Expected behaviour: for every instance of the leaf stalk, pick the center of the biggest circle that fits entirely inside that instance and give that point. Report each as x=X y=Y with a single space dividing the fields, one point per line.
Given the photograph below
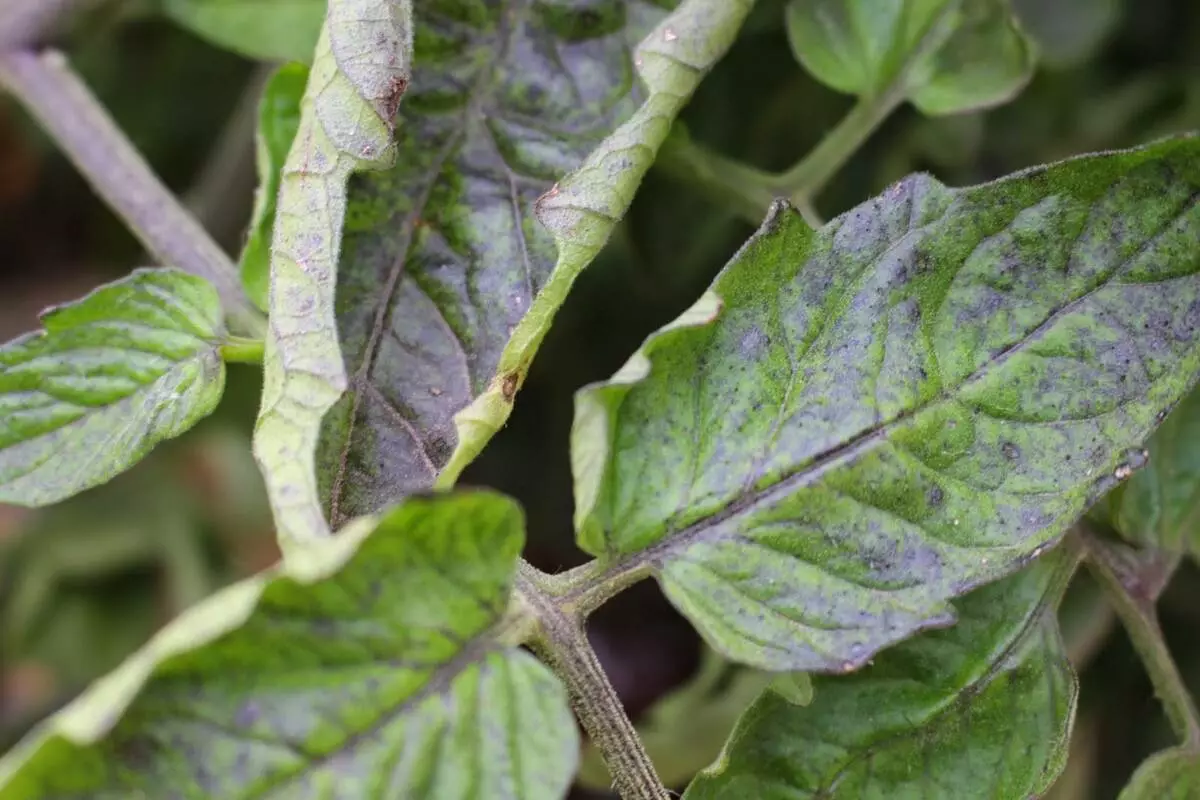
x=563 y=644
x=56 y=96
x=1132 y=582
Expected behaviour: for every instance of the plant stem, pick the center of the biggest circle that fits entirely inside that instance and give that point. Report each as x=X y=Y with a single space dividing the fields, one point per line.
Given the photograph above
x=802 y=182
x=1132 y=583
x=237 y=350
x=562 y=642
x=25 y=23
x=55 y=95
x=582 y=590
x=746 y=191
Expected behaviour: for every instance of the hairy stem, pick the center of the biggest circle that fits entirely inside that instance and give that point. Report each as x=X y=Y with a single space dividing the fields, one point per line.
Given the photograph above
x=1132 y=581
x=561 y=641
x=802 y=182
x=52 y=92
x=746 y=191
x=580 y=591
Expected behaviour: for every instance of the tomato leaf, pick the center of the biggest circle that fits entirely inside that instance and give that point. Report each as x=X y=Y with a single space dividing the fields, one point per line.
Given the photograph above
x=856 y=425
x=373 y=664
x=113 y=374
x=457 y=259
x=944 y=56
x=981 y=710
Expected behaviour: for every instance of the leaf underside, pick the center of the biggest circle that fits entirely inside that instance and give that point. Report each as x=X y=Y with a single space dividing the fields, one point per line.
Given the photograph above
x=112 y=375
x=859 y=424
x=456 y=259
x=378 y=678
x=360 y=71
x=981 y=710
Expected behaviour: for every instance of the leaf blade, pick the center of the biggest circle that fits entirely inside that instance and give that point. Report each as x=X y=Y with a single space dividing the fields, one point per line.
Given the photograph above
x=1169 y=775
x=353 y=664
x=346 y=122
x=983 y=709
x=944 y=56
x=471 y=279
x=937 y=390
x=268 y=30
x=129 y=365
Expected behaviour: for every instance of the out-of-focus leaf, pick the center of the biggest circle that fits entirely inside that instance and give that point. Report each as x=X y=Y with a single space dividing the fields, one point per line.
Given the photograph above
x=856 y=425
x=1067 y=32
x=982 y=710
x=278 y=121
x=944 y=56
x=448 y=283
x=112 y=375
x=375 y=664
x=1160 y=505
x=1170 y=775
x=270 y=30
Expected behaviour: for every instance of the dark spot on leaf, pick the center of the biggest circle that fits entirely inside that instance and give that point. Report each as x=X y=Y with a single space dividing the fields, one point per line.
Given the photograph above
x=1010 y=451
x=935 y=496
x=508 y=386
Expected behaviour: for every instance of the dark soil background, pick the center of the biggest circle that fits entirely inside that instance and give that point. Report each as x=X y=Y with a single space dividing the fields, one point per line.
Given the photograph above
x=83 y=584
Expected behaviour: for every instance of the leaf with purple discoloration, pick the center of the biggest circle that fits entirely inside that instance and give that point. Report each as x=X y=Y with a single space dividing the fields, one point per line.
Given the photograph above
x=857 y=425
x=340 y=674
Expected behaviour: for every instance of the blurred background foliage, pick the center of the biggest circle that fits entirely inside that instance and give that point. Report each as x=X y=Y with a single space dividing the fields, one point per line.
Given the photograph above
x=83 y=584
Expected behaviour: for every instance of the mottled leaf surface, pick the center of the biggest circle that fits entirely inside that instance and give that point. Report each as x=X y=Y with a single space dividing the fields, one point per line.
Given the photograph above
x=456 y=259
x=856 y=425
x=944 y=56
x=278 y=121
x=1169 y=775
x=362 y=66
x=110 y=376
x=1160 y=505
x=982 y=710
x=375 y=667
x=270 y=30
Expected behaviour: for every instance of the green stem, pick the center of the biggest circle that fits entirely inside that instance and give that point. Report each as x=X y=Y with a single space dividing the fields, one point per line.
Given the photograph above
x=47 y=86
x=563 y=644
x=802 y=182
x=237 y=350
x=1132 y=586
x=582 y=590
x=746 y=191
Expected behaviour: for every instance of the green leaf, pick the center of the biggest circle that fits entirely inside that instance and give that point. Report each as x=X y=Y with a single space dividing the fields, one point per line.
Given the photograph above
x=1169 y=775
x=982 y=710
x=857 y=425
x=1160 y=505
x=269 y=30
x=112 y=375
x=278 y=121
x=374 y=664
x=944 y=56
x=346 y=121
x=448 y=282
x=1068 y=32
